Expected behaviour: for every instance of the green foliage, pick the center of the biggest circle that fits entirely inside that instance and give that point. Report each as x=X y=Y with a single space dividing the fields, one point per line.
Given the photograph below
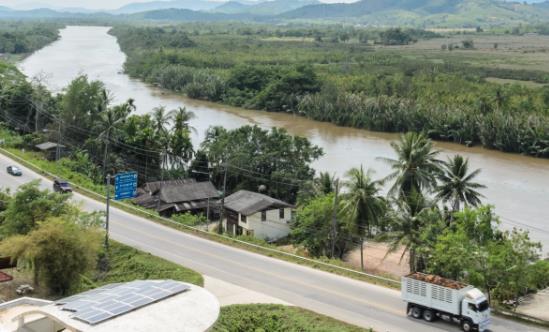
x=25 y=37
x=276 y=318
x=29 y=206
x=471 y=249
x=57 y=250
x=189 y=219
x=251 y=151
x=313 y=228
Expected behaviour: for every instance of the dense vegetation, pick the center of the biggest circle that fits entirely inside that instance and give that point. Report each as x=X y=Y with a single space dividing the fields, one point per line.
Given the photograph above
x=61 y=246
x=25 y=37
x=344 y=80
x=103 y=139
x=276 y=318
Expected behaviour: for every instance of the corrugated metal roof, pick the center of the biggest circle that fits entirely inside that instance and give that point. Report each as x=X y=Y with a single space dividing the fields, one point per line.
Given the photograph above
x=48 y=146
x=154 y=187
x=247 y=202
x=188 y=192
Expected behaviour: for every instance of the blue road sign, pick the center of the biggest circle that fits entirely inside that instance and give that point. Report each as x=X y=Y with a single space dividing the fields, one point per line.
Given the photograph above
x=125 y=185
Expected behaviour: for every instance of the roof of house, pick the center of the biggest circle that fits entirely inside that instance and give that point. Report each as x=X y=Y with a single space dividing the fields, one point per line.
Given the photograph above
x=187 y=192
x=137 y=306
x=154 y=187
x=248 y=202
x=48 y=146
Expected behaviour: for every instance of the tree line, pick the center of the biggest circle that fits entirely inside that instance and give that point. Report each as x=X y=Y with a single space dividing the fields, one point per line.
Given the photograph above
x=352 y=86
x=26 y=37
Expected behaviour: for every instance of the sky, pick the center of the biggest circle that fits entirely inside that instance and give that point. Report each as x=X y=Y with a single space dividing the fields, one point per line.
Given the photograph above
x=90 y=4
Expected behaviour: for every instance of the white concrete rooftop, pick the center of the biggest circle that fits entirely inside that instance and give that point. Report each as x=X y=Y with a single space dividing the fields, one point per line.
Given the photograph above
x=193 y=310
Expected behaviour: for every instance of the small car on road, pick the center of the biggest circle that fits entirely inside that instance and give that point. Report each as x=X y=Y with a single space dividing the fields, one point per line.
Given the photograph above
x=14 y=170
x=61 y=186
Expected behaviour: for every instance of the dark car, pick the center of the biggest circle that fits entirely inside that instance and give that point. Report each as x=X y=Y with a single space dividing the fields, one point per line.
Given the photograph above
x=61 y=186
x=14 y=170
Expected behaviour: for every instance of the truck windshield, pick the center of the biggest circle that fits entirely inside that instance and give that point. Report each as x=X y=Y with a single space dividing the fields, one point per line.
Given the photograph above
x=483 y=306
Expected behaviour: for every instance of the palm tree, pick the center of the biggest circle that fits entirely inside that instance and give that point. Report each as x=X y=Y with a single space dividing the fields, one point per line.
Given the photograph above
x=108 y=122
x=408 y=219
x=416 y=166
x=181 y=143
x=456 y=184
x=182 y=117
x=324 y=184
x=161 y=120
x=363 y=205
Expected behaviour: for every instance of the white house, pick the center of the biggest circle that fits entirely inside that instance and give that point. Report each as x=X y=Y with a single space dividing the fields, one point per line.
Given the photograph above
x=258 y=215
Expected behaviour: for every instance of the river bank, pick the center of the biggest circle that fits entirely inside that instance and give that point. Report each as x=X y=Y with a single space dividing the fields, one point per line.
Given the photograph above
x=517 y=185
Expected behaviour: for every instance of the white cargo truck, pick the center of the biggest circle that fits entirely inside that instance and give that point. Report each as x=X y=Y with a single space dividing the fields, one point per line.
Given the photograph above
x=431 y=297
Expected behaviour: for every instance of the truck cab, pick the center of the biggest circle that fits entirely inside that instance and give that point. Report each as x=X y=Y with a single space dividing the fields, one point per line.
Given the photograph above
x=475 y=311
x=431 y=297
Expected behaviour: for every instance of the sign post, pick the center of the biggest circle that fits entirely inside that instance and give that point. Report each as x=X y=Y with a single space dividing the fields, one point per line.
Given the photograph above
x=125 y=186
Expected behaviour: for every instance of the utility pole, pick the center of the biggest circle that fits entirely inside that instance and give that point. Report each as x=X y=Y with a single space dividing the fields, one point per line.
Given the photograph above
x=334 y=217
x=222 y=214
x=108 y=182
x=58 y=147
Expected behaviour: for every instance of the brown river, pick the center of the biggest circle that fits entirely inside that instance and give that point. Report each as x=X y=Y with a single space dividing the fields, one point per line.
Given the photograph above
x=518 y=186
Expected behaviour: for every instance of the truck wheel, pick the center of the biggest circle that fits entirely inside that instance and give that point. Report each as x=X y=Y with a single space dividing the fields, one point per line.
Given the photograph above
x=416 y=312
x=466 y=326
x=429 y=315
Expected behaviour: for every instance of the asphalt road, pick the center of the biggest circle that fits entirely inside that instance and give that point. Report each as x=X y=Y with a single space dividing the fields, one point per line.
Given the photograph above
x=346 y=299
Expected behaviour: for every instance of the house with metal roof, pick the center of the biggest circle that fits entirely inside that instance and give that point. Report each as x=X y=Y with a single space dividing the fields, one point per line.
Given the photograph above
x=51 y=149
x=137 y=306
x=178 y=196
x=258 y=215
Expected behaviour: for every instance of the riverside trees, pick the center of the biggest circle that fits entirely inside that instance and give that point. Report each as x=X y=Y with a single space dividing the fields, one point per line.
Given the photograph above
x=349 y=84
x=462 y=242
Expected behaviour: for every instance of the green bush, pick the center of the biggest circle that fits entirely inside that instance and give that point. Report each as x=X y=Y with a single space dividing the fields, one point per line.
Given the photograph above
x=276 y=318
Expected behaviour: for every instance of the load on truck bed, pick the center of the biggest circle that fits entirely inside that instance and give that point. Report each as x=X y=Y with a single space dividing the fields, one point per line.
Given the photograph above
x=430 y=297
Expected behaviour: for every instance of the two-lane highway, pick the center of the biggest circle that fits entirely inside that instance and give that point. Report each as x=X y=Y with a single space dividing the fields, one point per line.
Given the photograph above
x=339 y=297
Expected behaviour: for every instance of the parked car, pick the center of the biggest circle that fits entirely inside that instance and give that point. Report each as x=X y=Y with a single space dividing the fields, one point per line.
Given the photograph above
x=14 y=170
x=61 y=186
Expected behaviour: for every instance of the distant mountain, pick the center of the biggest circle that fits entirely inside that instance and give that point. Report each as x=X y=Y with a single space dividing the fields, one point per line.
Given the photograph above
x=274 y=7
x=186 y=15
x=448 y=13
x=139 y=7
x=231 y=7
x=543 y=5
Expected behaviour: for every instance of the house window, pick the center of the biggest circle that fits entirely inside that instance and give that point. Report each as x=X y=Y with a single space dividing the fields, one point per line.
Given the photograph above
x=281 y=213
x=243 y=218
x=263 y=215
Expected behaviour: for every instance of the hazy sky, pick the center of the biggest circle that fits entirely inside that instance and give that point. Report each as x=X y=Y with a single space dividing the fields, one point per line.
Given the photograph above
x=92 y=4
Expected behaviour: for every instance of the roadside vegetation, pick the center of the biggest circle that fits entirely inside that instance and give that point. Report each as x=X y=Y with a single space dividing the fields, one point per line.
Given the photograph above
x=61 y=248
x=342 y=76
x=277 y=318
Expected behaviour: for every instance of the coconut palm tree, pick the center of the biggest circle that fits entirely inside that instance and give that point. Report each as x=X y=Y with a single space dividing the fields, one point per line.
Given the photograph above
x=456 y=184
x=363 y=205
x=416 y=165
x=161 y=120
x=181 y=144
x=407 y=220
x=109 y=121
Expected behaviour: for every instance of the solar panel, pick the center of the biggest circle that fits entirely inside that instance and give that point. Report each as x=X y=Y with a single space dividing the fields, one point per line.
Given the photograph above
x=103 y=303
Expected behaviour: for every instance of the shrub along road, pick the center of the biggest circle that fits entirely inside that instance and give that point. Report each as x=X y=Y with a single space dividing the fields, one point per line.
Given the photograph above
x=349 y=300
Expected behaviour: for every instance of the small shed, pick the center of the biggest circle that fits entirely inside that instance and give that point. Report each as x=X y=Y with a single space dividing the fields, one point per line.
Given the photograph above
x=50 y=149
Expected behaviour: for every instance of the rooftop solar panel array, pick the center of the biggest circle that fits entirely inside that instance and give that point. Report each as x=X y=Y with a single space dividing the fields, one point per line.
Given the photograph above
x=103 y=303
